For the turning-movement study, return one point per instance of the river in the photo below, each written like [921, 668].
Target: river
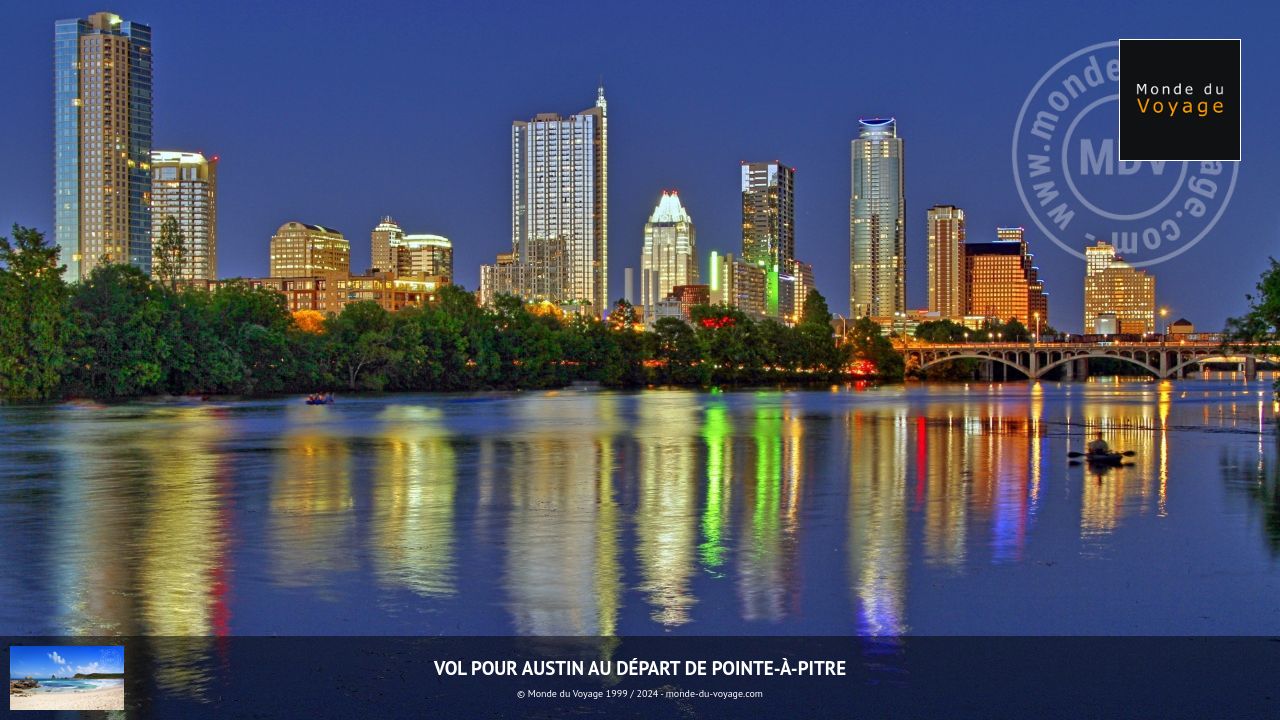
[918, 509]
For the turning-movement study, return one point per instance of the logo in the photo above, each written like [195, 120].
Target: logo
[1071, 180]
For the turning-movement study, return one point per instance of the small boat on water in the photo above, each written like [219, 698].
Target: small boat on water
[1111, 458]
[1107, 458]
[320, 399]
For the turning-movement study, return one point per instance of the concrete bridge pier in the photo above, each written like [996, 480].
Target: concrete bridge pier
[1250, 369]
[986, 370]
[1081, 369]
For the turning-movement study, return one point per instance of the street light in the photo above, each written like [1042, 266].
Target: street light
[1037, 317]
[1164, 337]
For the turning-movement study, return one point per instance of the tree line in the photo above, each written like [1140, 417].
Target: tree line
[119, 334]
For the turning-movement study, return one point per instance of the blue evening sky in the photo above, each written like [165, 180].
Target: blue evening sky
[64, 660]
[336, 113]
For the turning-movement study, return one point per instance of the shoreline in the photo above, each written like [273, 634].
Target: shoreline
[108, 698]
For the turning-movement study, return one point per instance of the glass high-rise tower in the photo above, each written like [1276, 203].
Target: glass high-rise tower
[768, 215]
[560, 208]
[102, 142]
[877, 222]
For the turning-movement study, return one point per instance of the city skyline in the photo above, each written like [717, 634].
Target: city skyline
[654, 147]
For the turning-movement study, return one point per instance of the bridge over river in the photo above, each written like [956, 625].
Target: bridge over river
[1165, 358]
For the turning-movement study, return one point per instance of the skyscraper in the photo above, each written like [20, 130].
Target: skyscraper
[184, 186]
[768, 214]
[385, 236]
[560, 208]
[877, 222]
[298, 250]
[1114, 287]
[946, 261]
[1001, 281]
[669, 256]
[102, 142]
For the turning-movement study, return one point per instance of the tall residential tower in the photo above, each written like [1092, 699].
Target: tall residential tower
[877, 222]
[769, 232]
[559, 210]
[946, 261]
[184, 186]
[102, 142]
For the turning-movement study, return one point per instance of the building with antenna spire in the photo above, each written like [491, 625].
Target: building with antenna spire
[559, 212]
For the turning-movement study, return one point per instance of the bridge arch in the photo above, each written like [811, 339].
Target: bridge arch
[1099, 356]
[940, 358]
[1221, 357]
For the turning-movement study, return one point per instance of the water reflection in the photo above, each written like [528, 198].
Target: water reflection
[767, 545]
[142, 539]
[877, 513]
[1257, 479]
[666, 511]
[878, 521]
[413, 501]
[562, 570]
[312, 519]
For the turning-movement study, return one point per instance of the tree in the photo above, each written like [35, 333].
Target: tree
[168, 257]
[1261, 324]
[34, 325]
[815, 340]
[732, 344]
[868, 343]
[679, 353]
[124, 346]
[815, 311]
[256, 324]
[309, 321]
[941, 331]
[361, 344]
[624, 315]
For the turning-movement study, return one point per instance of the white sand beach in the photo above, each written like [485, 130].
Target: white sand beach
[108, 698]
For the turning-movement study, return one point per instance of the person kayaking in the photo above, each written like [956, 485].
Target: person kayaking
[1098, 447]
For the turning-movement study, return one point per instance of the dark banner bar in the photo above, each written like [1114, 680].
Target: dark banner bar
[696, 677]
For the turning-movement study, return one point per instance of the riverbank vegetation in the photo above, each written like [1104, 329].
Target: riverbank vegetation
[1260, 326]
[118, 334]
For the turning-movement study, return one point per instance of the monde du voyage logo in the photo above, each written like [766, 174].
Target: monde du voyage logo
[1174, 108]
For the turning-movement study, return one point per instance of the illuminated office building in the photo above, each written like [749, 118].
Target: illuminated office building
[768, 231]
[1112, 285]
[425, 255]
[298, 250]
[184, 186]
[1002, 282]
[560, 208]
[102, 142]
[877, 222]
[669, 256]
[768, 214]
[738, 284]
[392, 250]
[386, 235]
[946, 261]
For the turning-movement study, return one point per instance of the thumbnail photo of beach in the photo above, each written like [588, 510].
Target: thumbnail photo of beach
[66, 677]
